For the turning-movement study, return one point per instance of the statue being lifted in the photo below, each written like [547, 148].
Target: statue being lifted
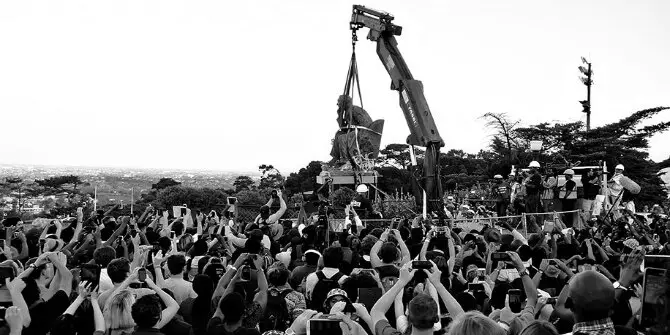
[358, 138]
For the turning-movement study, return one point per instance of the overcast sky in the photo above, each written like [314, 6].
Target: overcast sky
[229, 85]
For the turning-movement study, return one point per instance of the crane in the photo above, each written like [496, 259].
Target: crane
[423, 131]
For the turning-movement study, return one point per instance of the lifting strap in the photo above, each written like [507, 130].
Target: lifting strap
[353, 80]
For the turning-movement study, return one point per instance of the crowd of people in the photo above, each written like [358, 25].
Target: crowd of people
[536, 190]
[205, 273]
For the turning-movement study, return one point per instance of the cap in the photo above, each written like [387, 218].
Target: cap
[569, 172]
[450, 198]
[619, 167]
[534, 164]
[362, 188]
[335, 292]
[497, 177]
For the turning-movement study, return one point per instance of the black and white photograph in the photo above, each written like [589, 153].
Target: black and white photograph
[297, 167]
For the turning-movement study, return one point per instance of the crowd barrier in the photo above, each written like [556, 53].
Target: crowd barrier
[519, 222]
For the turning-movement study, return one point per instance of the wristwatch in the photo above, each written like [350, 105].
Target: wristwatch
[522, 273]
[618, 285]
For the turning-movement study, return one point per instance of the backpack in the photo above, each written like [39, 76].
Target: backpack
[321, 289]
[276, 316]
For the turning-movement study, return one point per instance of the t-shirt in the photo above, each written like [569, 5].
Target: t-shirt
[533, 184]
[215, 327]
[300, 273]
[43, 314]
[362, 206]
[388, 271]
[105, 281]
[181, 289]
[383, 327]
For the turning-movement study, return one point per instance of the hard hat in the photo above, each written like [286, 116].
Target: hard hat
[497, 177]
[362, 188]
[534, 164]
[619, 167]
[569, 172]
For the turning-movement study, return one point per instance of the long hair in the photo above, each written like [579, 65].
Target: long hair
[118, 317]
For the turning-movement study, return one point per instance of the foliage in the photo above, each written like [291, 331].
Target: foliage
[251, 198]
[242, 183]
[271, 178]
[393, 179]
[504, 141]
[164, 183]
[304, 180]
[397, 205]
[195, 198]
[622, 142]
[397, 155]
[342, 197]
[19, 187]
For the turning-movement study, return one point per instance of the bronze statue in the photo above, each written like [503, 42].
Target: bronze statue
[358, 137]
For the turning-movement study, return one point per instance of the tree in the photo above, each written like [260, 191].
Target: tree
[196, 198]
[243, 183]
[164, 183]
[622, 142]
[394, 180]
[270, 177]
[504, 140]
[305, 179]
[16, 187]
[397, 155]
[60, 184]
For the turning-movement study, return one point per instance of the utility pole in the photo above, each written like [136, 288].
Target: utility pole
[586, 104]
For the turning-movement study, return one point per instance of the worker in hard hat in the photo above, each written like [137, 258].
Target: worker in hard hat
[362, 205]
[614, 185]
[568, 196]
[501, 192]
[533, 184]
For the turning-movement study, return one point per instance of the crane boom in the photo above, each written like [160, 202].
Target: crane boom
[423, 131]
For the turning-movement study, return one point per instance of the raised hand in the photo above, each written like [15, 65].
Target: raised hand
[14, 318]
[405, 274]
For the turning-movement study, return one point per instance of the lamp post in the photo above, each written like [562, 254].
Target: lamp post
[586, 104]
[535, 148]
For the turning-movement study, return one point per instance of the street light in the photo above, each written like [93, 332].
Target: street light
[535, 148]
[586, 104]
[535, 145]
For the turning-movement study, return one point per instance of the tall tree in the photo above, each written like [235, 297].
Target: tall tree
[164, 183]
[504, 140]
[18, 188]
[397, 155]
[271, 178]
[305, 179]
[242, 183]
[623, 142]
[60, 184]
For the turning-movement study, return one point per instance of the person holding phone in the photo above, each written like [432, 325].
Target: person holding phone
[265, 218]
[527, 313]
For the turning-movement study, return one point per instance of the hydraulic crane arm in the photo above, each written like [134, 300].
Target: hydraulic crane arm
[423, 131]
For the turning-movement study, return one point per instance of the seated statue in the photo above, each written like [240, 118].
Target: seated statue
[358, 135]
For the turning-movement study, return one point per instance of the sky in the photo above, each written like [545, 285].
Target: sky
[230, 85]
